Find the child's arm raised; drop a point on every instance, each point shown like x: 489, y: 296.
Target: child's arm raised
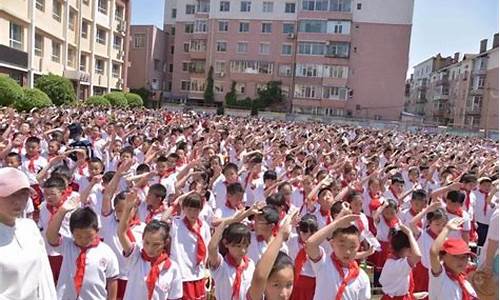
x: 125, y: 241
x: 415, y: 254
x: 53, y: 237
x: 416, y: 219
x: 453, y: 224
x: 109, y: 192
x: 214, y: 259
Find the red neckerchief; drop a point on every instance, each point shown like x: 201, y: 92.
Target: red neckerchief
x: 64, y: 196
x: 326, y: 214
x: 344, y: 183
x: 81, y: 263
x: 353, y: 273
x: 239, y: 272
x: 391, y: 224
x: 154, y: 212
x: 300, y: 259
x: 413, y: 214
x: 131, y: 224
x: 459, y: 212
x: 296, y: 185
x: 431, y: 234
x: 359, y: 224
x: 396, y: 197
x: 201, y: 251
x: 31, y: 164
x: 485, y: 207
x: 467, y: 198
x: 154, y: 272
x: 460, y: 279
x: 374, y: 202
x: 81, y: 168
x: 165, y: 174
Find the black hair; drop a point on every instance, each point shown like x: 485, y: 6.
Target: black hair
x: 336, y: 208
x: 322, y: 190
x: 14, y: 154
x: 236, y: 233
x: 106, y: 178
x: 351, y: 196
x: 347, y: 230
x: 256, y: 158
x: 194, y: 201
x: 174, y: 156
x: 270, y: 214
x: 96, y: 160
x: 32, y: 140
x: 282, y: 261
x: 142, y: 168
x: 55, y: 181
x: 308, y: 223
x: 456, y: 196
x: 276, y: 200
x: 158, y: 190
x: 230, y: 166
x: 64, y: 172
x: 235, y: 188
x: 119, y: 197
x: 270, y: 175
x: 392, y: 204
x: 435, y: 215
x: 468, y: 178
x: 419, y: 194
x: 399, y: 241
x: 161, y: 159
x: 83, y: 218
x: 127, y: 149
x: 156, y: 225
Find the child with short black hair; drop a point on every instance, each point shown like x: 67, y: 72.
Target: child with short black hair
x: 265, y: 224
x: 31, y: 164
x: 417, y: 204
x: 234, y: 202
x: 230, y: 172
x: 154, y: 205
x: 90, y: 266
x: 454, y: 208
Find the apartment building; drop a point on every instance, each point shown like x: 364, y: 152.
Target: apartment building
x: 461, y: 93
x: 148, y: 57
x: 333, y: 57
x: 82, y: 40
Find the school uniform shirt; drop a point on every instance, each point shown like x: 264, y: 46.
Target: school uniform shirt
x: 298, y: 197
x: 220, y: 193
x: 257, y: 248
x: 294, y: 247
x: 24, y: 266
x: 472, y: 202
x: 225, y: 275
x: 98, y: 146
x: 425, y: 241
x: 492, y: 235
x: 110, y: 237
x: 224, y: 212
x: 366, y: 202
x: 101, y: 264
x: 184, y: 249
x: 168, y: 284
x: 482, y: 210
x: 250, y: 185
x: 406, y: 215
x: 168, y: 182
x: 328, y: 281
x: 31, y: 170
x: 145, y: 214
x: 466, y: 226
x: 43, y: 224
x: 395, y: 277
x: 441, y: 286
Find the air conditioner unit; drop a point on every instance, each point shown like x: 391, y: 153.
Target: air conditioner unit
x: 221, y: 74
x: 291, y: 35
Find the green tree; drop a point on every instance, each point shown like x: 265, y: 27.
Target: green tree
x: 59, y: 89
x: 10, y: 91
x: 134, y: 100
x: 209, y: 89
x: 143, y: 92
x: 271, y: 95
x: 99, y: 101
x: 117, y: 99
x: 32, y: 98
x: 230, y: 98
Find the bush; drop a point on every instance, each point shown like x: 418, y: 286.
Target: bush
x: 99, y: 101
x: 59, y: 89
x: 134, y: 100
x: 10, y: 91
x: 220, y: 110
x: 32, y: 98
x: 117, y: 99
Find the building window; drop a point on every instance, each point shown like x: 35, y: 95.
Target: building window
x: 311, y: 48
x: 83, y: 63
x: 169, y: 86
x: 201, y: 26
x: 337, y: 49
x: 286, y: 49
x: 188, y: 28
x: 267, y: 7
x: 185, y: 66
x: 341, y: 5
x: 174, y: 13
x: 224, y: 6
x: 56, y: 51
x: 219, y: 87
x: 223, y: 26
x: 38, y: 45
x: 336, y: 93
x: 171, y: 68
x: 185, y: 85
x: 190, y: 9
x: 313, y: 26
x: 186, y: 47
x: 244, y: 27
x: 56, y: 10
x: 359, y: 6
x: 198, y: 46
x: 172, y: 30
x: 240, y: 88
x: 220, y: 67
x: 117, y: 42
x: 156, y: 63
x: 115, y: 70
x: 288, y: 28
x: 172, y: 49
x: 285, y: 70
x: 119, y: 13
x: 264, y: 48
x: 16, y: 36
x: 139, y: 40
x: 315, y: 5
x: 71, y: 57
x: 251, y: 67
x: 99, y: 66
x: 100, y: 36
x: 242, y: 47
x: 85, y: 29
x: 290, y: 8
x: 102, y: 6
x: 307, y: 91
x: 221, y: 46
x: 40, y: 5
x: 267, y: 27
x: 72, y: 19
x: 245, y: 6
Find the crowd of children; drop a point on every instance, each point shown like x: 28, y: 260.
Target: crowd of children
x: 142, y: 204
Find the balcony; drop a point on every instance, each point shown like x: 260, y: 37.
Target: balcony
x: 479, y: 71
x: 477, y: 91
x: 421, y: 100
x: 473, y: 110
x: 440, y: 97
x: 442, y: 81
x: 197, y: 54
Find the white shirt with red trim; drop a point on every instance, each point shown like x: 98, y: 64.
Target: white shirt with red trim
x: 405, y: 216
x: 220, y: 193
x: 143, y: 212
x: 443, y: 287
x: 224, y: 212
x: 395, y: 277
x: 466, y: 226
x: 298, y: 197
x: 101, y: 264
x: 168, y: 285
x: 294, y: 248
x: 225, y: 274
x: 492, y: 235
x: 109, y: 233
x: 39, y: 164
x: 184, y: 248
x: 479, y: 208
x: 382, y: 230
x: 328, y: 281
x: 425, y: 242
x: 257, y: 248
x: 43, y: 224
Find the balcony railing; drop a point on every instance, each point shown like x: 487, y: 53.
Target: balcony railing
x: 473, y: 110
